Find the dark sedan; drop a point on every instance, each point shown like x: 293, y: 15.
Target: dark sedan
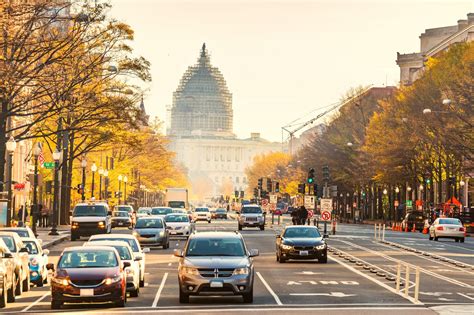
x: 92, y: 274
x: 301, y: 242
x: 220, y: 214
x: 121, y: 219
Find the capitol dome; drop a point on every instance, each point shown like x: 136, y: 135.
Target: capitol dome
x: 202, y: 104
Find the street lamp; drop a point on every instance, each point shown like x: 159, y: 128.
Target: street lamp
x: 125, y: 180
x: 83, y: 165
x: 446, y: 101
x: 350, y: 144
x: 426, y: 111
x: 11, y: 147
x: 385, y: 191
x: 36, y: 153
x: 56, y: 158
x: 101, y: 173
x: 120, y: 187
x: 397, y: 190
x: 93, y: 169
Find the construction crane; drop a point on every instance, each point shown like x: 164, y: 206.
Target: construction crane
x: 292, y: 132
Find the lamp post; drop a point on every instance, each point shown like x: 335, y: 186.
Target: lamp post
x: 56, y: 158
x: 11, y: 147
x: 101, y: 172
x: 106, y: 184
x: 120, y: 187
x: 83, y: 165
x: 464, y: 193
x: 36, y: 153
x: 93, y: 169
x: 125, y: 180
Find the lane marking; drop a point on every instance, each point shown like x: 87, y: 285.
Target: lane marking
x: 169, y: 264
x: 466, y: 296
x: 383, y: 285
x: 277, y: 299
x: 162, y: 285
x: 35, y: 302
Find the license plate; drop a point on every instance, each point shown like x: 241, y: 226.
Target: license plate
x: 303, y: 253
x: 216, y: 284
x: 87, y: 292
x: 173, y: 232
x: 120, y: 223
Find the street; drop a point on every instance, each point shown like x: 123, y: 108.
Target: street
x: 310, y: 287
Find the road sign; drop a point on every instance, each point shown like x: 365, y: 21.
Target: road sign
x: 326, y: 204
x: 309, y: 202
x: 409, y: 204
x: 326, y: 215
x: 48, y: 165
x: 273, y: 198
x: 264, y: 202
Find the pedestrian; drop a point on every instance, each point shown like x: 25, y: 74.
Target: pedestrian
x: 303, y: 215
x: 45, y: 212
x: 294, y: 216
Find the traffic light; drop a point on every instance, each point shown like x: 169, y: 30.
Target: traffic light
x: 260, y: 183
x: 109, y: 195
x: 277, y: 187
x: 236, y: 194
x: 326, y: 173
x: 301, y: 188
x: 311, y: 176
x: 269, y: 185
x: 242, y: 194
x: 255, y: 192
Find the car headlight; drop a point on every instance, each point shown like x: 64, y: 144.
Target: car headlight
x: 319, y: 247
x: 241, y: 271
x: 162, y: 233
x: 129, y: 271
x: 60, y: 281
x: 190, y: 271
x: 34, y: 262
x: 101, y: 223
x: 109, y: 281
x: 75, y: 225
x: 283, y: 246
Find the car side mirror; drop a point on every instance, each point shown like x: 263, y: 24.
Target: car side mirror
x: 50, y: 266
x: 253, y: 253
x: 45, y: 252
x: 138, y: 258
x: 126, y: 264
x: 146, y: 250
x: 7, y: 255
x: 178, y: 253
x: 24, y: 250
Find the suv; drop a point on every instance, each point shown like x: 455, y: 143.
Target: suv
x: 202, y: 213
x: 89, y: 219
x: 417, y: 218
x: 251, y: 216
x: 215, y: 263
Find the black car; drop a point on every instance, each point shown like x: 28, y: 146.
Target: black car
x: 301, y: 242
x: 416, y: 218
x: 121, y: 219
x: 220, y: 214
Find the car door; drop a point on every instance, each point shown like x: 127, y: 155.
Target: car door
x: 9, y: 264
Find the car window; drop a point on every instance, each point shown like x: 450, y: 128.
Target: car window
x: 21, y: 233
x: 31, y: 247
x: 161, y: 211
x: 202, y: 210
x: 177, y: 204
x: 221, y: 210
x: 215, y: 247
x: 124, y: 253
x: 251, y: 210
x: 450, y: 221
x: 120, y: 214
x: 149, y: 224
x: 90, y: 211
x: 124, y: 208
x: 301, y: 232
x: 88, y: 259
x: 176, y: 218
x: 10, y: 242
x: 131, y: 241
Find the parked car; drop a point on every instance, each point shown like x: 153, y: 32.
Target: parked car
x: 467, y: 219
x: 301, y: 242
x: 7, y: 275
x: 121, y: 219
x: 152, y: 231
x: 38, y: 260
x: 134, y: 244
x: 447, y: 228
x: 21, y: 260
x: 202, y: 214
x: 89, y: 274
x: 220, y: 213
x: 417, y: 218
x: 179, y: 224
x: 251, y: 216
x: 215, y: 263
x: 126, y: 255
x: 21, y: 231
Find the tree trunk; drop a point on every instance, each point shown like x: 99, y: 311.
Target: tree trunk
x: 69, y: 175
x: 3, y: 140
x: 64, y: 179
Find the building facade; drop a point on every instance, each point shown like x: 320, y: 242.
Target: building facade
x: 201, y: 131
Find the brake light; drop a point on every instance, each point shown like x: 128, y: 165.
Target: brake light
x: 461, y: 229
x: 439, y: 228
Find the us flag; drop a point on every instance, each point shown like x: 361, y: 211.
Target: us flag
x: 41, y: 155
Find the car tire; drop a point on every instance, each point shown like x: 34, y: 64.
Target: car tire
x: 462, y: 240
x: 39, y: 283
x: 73, y: 237
x: 56, y: 305
x: 240, y: 227
x: 248, y: 297
x: 282, y: 260
x: 135, y: 292
x: 142, y: 282
x: 18, y: 285
x: 26, y: 283
x: 3, y: 298
x: 435, y: 238
x: 11, y: 292
x: 208, y: 221
x: 183, y: 297
x: 456, y: 240
x: 323, y: 260
x: 262, y: 227
x: 429, y: 236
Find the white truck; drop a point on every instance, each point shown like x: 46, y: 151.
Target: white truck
x: 177, y: 198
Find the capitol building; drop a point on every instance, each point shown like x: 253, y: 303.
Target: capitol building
x: 201, y: 132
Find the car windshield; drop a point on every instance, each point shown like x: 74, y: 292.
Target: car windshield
x: 301, y: 233
x: 124, y: 208
x: 161, y: 211
x: 176, y: 218
x: 31, y: 247
x: 144, y: 211
x: 88, y: 259
x: 10, y: 242
x: 179, y: 211
x: 90, y: 211
x: 450, y: 221
x: 221, y: 211
x: 215, y: 247
x: 149, y: 223
x: 177, y: 204
x: 202, y: 210
x: 124, y: 253
x: 130, y: 241
x: 122, y: 214
x: 21, y: 233
x: 251, y: 210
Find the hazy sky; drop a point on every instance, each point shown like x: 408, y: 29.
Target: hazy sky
x: 281, y: 58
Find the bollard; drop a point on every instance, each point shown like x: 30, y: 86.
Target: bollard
x: 399, y: 272
x: 317, y: 224
x: 375, y: 231
x: 417, y: 283
x: 273, y: 218
x: 325, y: 228
x: 334, y: 227
x: 407, y: 279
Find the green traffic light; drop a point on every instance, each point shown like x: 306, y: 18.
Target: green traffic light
x: 310, y: 180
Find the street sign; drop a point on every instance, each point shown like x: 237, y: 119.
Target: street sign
x: 409, y: 204
x: 264, y: 202
x: 325, y: 215
x: 48, y: 165
x: 326, y: 204
x: 273, y: 198
x: 309, y: 202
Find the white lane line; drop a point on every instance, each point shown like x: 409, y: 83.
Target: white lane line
x: 383, y: 285
x: 35, y: 302
x: 466, y: 296
x: 162, y: 285
x: 277, y: 299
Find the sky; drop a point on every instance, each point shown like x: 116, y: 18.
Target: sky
x: 282, y: 59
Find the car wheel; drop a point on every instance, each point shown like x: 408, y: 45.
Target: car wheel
x: 3, y: 298
x: 18, y: 286
x: 56, y: 305
x: 183, y: 297
x: 26, y: 283
x: 11, y: 291
x: 135, y: 292
x: 462, y: 240
x: 248, y: 297
x: 240, y: 227
x: 73, y: 237
x: 208, y: 221
x: 435, y: 238
x: 262, y: 227
x: 323, y: 260
x: 39, y: 282
x: 456, y: 240
x: 282, y: 260
x: 430, y: 237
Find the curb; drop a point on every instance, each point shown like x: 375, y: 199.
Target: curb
x: 56, y: 241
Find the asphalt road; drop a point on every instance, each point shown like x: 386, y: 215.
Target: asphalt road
x: 344, y: 285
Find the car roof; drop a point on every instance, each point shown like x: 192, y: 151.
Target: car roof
x: 83, y: 248
x: 107, y: 243
x: 111, y: 236
x: 162, y: 208
x: 13, y: 234
x: 209, y: 234
x: 150, y: 217
x: 250, y: 205
x: 15, y: 228
x: 301, y: 226
x: 121, y: 211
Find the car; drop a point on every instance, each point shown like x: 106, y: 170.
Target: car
x: 143, y: 212
x: 467, y: 218
x: 126, y: 255
x: 126, y: 208
x: 202, y: 214
x: 179, y: 210
x: 152, y: 231
x: 179, y: 224
x: 161, y: 211
x: 417, y: 218
x: 91, y: 274
x: 447, y: 228
x: 121, y: 219
x: 21, y: 260
x: 220, y: 213
x: 215, y: 263
x: 21, y: 231
x: 38, y: 260
x: 89, y: 219
x: 301, y: 242
x: 7, y: 275
x: 251, y: 216
x: 134, y: 244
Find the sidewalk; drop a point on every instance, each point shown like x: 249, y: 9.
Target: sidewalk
x: 51, y: 240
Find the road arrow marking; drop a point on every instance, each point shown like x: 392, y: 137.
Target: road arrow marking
x: 333, y: 294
